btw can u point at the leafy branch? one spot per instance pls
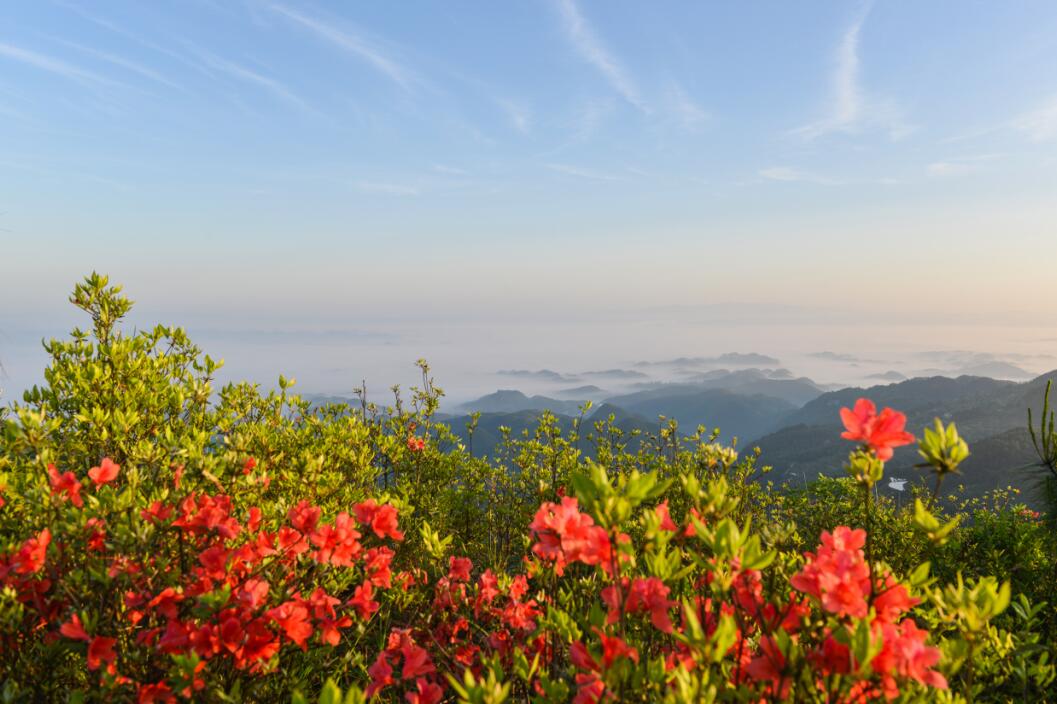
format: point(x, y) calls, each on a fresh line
point(1045, 439)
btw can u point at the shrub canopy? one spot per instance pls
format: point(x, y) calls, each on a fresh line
point(164, 540)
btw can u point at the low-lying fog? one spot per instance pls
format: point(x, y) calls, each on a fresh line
point(555, 358)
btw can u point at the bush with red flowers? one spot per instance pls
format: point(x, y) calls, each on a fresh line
point(163, 541)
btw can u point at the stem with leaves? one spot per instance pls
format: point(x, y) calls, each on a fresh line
point(1045, 440)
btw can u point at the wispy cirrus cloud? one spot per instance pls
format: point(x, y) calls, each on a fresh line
point(587, 118)
point(122, 62)
point(581, 172)
point(386, 189)
point(583, 38)
point(1040, 124)
point(790, 174)
point(449, 170)
point(517, 115)
point(949, 168)
point(52, 65)
point(131, 36)
point(960, 165)
point(8, 111)
point(252, 77)
point(351, 43)
point(852, 109)
point(684, 108)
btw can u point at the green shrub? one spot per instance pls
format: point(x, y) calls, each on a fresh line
point(164, 540)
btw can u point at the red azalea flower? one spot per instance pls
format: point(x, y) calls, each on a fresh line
point(426, 692)
point(837, 575)
point(381, 673)
point(66, 486)
point(292, 618)
point(304, 516)
point(581, 657)
point(648, 595)
point(892, 600)
point(175, 639)
point(384, 523)
point(665, 517)
point(833, 658)
point(382, 519)
point(566, 535)
point(259, 647)
point(487, 587)
point(416, 661)
point(156, 513)
point(690, 531)
point(338, 543)
point(206, 513)
point(905, 655)
point(377, 562)
point(748, 591)
point(362, 602)
point(105, 473)
point(100, 650)
point(253, 593)
point(253, 522)
point(767, 668)
point(613, 647)
point(459, 569)
point(74, 629)
point(291, 541)
point(214, 560)
point(96, 535)
point(518, 587)
point(882, 432)
point(157, 693)
point(330, 629)
point(321, 603)
point(30, 557)
point(521, 615)
point(590, 689)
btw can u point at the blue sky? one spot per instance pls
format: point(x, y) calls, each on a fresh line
point(282, 162)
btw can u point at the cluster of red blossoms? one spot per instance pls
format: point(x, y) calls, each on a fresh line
point(468, 624)
point(207, 587)
point(414, 443)
point(565, 535)
point(215, 586)
point(837, 579)
point(840, 579)
point(20, 569)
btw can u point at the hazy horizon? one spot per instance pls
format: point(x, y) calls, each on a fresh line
point(467, 356)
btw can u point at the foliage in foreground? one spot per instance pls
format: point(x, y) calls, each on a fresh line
point(164, 541)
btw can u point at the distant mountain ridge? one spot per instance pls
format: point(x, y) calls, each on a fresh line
point(796, 423)
point(990, 414)
point(743, 403)
point(514, 401)
point(590, 392)
point(740, 359)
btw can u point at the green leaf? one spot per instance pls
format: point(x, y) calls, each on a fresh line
point(331, 693)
